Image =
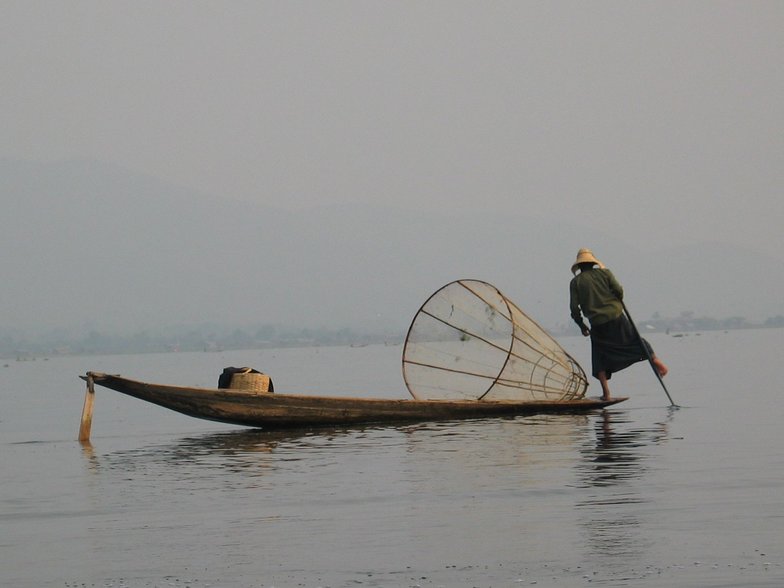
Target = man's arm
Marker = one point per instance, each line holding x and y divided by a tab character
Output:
574	306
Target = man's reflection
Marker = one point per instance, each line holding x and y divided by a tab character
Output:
610	470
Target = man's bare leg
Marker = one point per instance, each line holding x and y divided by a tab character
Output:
602	376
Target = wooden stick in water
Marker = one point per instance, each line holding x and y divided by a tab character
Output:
648	354
87	410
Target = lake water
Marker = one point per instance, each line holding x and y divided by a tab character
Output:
638	495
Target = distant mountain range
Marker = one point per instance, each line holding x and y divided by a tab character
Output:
96	246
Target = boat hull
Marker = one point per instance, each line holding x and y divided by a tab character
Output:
285	411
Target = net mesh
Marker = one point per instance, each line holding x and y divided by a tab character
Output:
470	342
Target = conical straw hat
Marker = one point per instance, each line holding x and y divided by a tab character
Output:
585	256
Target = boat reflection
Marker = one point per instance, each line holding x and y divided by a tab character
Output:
246	451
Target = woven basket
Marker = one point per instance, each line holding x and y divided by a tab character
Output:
250	382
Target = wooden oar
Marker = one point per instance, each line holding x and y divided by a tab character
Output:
87	410
647	353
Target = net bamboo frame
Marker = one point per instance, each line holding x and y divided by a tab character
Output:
470	342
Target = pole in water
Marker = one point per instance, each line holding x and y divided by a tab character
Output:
87	410
647	354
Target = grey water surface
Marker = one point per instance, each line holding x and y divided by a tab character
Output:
638	495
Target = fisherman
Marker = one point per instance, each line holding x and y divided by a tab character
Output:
615	345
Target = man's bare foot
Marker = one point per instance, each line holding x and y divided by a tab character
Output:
660	367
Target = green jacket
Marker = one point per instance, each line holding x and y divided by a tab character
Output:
597	294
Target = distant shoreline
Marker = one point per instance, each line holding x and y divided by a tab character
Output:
98	344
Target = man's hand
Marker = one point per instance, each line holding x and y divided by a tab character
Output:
586	331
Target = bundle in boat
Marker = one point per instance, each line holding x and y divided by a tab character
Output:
470	342
246	379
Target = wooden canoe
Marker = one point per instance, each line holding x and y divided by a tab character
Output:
282	411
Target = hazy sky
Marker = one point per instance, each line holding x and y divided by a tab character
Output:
659	121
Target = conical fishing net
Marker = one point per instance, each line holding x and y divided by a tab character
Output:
470	342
